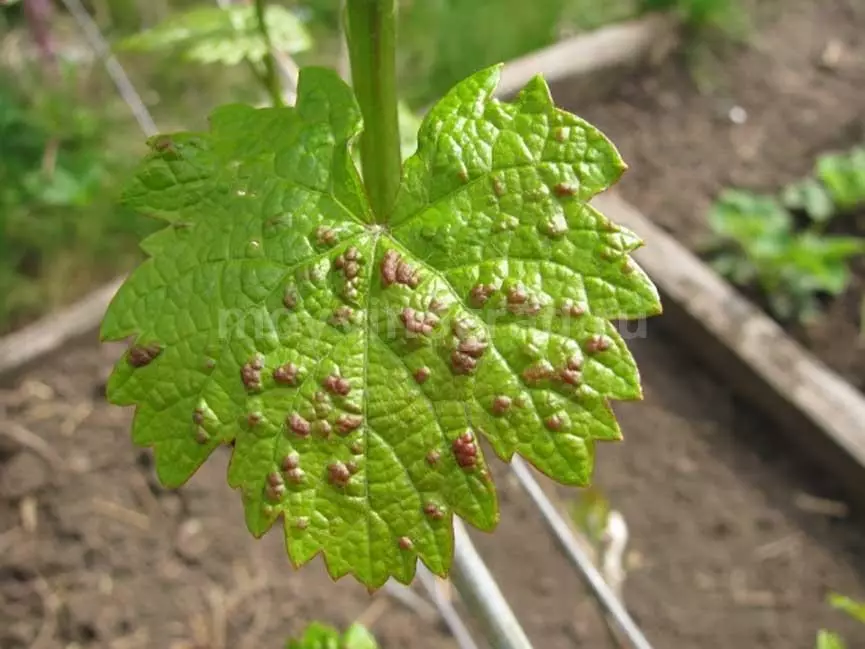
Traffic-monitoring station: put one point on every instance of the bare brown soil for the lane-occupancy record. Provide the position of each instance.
(801, 83)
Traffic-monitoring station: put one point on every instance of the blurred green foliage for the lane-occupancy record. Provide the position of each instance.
(59, 228)
(757, 241)
(320, 636)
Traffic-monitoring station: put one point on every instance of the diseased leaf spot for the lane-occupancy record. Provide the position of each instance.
(275, 486)
(564, 190)
(472, 347)
(342, 316)
(501, 404)
(394, 269)
(462, 363)
(295, 476)
(250, 374)
(325, 236)
(463, 175)
(422, 374)
(348, 423)
(352, 467)
(301, 522)
(337, 385)
(597, 343)
(433, 511)
(517, 295)
(465, 450)
(298, 425)
(554, 422)
(571, 377)
(570, 308)
(538, 372)
(405, 543)
(338, 474)
(198, 416)
(286, 374)
(141, 355)
(201, 436)
(433, 457)
(289, 299)
(498, 186)
(480, 294)
(418, 322)
(356, 447)
(290, 461)
(253, 419)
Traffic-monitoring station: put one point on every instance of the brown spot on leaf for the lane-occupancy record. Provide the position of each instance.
(480, 293)
(198, 416)
(348, 423)
(325, 236)
(356, 447)
(422, 374)
(286, 374)
(250, 374)
(289, 298)
(301, 522)
(463, 175)
(298, 425)
(337, 384)
(273, 478)
(472, 347)
(141, 355)
(253, 419)
(574, 362)
(388, 267)
(341, 316)
(201, 436)
(517, 295)
(405, 543)
(564, 190)
(352, 467)
(290, 461)
(501, 404)
(295, 476)
(462, 363)
(338, 474)
(571, 308)
(597, 343)
(465, 450)
(554, 422)
(571, 377)
(418, 322)
(498, 186)
(537, 372)
(433, 457)
(407, 275)
(352, 254)
(433, 511)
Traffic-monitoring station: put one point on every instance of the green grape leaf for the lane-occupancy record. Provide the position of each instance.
(811, 197)
(843, 175)
(355, 366)
(227, 36)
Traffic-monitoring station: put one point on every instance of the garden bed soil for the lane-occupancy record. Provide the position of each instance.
(801, 83)
(725, 549)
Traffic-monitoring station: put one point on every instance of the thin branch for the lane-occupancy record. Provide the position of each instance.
(112, 66)
(602, 592)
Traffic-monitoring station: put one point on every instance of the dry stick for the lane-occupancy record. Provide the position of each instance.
(611, 605)
(112, 66)
(447, 611)
(482, 596)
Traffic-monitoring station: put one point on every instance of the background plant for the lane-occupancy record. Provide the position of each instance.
(320, 636)
(759, 243)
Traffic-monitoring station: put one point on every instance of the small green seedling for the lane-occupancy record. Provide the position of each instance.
(756, 243)
(843, 175)
(353, 339)
(320, 636)
(856, 610)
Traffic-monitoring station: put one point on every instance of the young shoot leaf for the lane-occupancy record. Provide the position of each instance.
(227, 36)
(353, 366)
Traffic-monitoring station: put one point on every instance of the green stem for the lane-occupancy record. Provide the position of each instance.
(371, 35)
(271, 78)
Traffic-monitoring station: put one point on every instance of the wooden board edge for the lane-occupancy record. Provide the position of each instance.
(809, 402)
(32, 343)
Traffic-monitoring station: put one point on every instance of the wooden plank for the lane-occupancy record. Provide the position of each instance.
(811, 404)
(589, 59)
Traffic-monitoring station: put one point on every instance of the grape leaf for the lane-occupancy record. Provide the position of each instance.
(320, 636)
(355, 362)
(228, 36)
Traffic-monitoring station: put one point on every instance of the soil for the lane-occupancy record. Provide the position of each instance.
(801, 83)
(732, 541)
